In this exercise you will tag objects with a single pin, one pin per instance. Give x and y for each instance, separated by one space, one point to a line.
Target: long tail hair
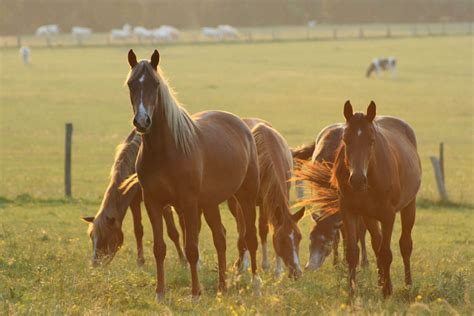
319 179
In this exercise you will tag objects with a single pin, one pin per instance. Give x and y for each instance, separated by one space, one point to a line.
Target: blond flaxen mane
179 121
275 164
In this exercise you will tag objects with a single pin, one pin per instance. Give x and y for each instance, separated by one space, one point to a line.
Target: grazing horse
376 173
105 229
276 166
386 64
327 229
192 163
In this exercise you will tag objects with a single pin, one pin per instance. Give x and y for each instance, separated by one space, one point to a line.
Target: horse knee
385 257
352 256
406 245
192 253
159 250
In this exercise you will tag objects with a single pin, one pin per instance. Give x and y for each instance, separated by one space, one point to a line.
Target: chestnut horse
276 167
192 163
326 231
105 229
376 173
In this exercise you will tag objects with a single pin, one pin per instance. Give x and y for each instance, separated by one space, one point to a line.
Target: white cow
142 32
174 32
228 31
80 33
25 54
211 32
47 30
123 33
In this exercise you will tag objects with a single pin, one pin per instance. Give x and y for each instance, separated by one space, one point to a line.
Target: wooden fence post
389 31
361 32
334 33
438 167
67 162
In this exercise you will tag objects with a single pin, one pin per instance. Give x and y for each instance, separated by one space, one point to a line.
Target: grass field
299 87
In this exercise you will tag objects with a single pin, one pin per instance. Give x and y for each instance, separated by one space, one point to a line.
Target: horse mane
319 177
274 178
180 123
124 165
125 157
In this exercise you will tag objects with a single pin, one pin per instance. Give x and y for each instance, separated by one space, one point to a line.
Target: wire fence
261 34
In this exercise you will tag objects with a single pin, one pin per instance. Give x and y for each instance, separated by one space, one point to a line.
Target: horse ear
132 58
155 59
110 220
371 111
298 215
348 112
88 219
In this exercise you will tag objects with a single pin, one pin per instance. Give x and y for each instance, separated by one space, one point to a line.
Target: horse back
327 143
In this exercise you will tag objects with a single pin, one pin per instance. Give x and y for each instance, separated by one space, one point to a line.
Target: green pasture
299 87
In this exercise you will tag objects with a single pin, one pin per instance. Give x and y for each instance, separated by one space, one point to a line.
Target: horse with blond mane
192 163
376 173
276 167
105 228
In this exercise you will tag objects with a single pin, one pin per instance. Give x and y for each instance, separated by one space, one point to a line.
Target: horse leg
263 232
352 249
385 254
241 264
155 213
406 243
192 223
138 227
375 240
364 261
335 248
213 219
173 232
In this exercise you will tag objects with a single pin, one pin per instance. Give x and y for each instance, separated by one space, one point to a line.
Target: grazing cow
382 64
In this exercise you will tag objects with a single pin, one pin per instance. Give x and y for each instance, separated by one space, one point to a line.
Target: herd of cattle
162 33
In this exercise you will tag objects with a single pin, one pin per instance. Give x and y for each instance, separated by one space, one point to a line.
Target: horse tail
318 176
129 183
303 152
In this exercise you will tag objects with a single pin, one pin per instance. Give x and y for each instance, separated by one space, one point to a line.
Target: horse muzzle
142 123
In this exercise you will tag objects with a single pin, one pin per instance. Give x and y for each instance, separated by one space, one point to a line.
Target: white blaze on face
359 132
296 260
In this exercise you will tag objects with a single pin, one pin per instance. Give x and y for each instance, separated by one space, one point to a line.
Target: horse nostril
148 121
135 123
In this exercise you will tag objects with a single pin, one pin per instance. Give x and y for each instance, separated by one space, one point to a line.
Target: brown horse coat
192 163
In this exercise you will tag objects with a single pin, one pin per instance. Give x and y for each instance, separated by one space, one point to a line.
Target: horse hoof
257 285
160 297
265 266
140 262
196 298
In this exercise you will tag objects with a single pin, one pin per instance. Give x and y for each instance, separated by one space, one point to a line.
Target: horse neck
115 204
